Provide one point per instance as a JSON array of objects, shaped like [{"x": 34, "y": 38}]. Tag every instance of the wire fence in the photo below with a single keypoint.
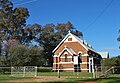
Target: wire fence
[
  {"x": 49, "y": 74},
  {"x": 30, "y": 71},
  {"x": 107, "y": 71},
  {"x": 44, "y": 71}
]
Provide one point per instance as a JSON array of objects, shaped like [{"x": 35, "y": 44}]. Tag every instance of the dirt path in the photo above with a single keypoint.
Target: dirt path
[
  {"x": 38, "y": 79},
  {"x": 43, "y": 79}
]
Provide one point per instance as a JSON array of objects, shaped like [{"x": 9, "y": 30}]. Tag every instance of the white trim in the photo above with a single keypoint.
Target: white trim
[
  {"x": 71, "y": 69},
  {"x": 66, "y": 62},
  {"x": 70, "y": 41},
  {"x": 62, "y": 41},
  {"x": 73, "y": 39},
  {"x": 85, "y": 55},
  {"x": 65, "y": 69},
  {"x": 55, "y": 56},
  {"x": 80, "y": 52},
  {"x": 56, "y": 63},
  {"x": 67, "y": 57},
  {"x": 92, "y": 65},
  {"x": 66, "y": 38},
  {"x": 84, "y": 69},
  {"x": 66, "y": 53},
  {"x": 70, "y": 62},
  {"x": 71, "y": 52}
]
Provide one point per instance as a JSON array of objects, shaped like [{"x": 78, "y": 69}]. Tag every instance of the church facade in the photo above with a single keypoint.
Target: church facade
[{"x": 75, "y": 54}]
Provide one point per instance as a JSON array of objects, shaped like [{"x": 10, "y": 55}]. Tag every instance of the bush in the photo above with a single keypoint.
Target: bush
[
  {"x": 44, "y": 69},
  {"x": 5, "y": 71}
]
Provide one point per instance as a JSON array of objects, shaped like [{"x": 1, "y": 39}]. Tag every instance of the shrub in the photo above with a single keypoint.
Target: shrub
[{"x": 44, "y": 69}]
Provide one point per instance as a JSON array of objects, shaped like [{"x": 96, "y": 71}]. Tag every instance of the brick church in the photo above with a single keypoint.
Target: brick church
[{"x": 75, "y": 54}]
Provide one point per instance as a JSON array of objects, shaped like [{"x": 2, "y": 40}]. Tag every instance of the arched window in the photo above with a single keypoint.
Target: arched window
[
  {"x": 80, "y": 57},
  {"x": 66, "y": 58}
]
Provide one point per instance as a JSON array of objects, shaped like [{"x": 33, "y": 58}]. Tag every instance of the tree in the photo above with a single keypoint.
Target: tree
[
  {"x": 118, "y": 39},
  {"x": 47, "y": 41},
  {"x": 12, "y": 20},
  {"x": 23, "y": 55},
  {"x": 51, "y": 35},
  {"x": 13, "y": 28},
  {"x": 30, "y": 33}
]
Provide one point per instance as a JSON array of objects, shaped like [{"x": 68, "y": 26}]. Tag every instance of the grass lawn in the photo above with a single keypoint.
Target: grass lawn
[
  {"x": 8, "y": 77},
  {"x": 82, "y": 74},
  {"x": 109, "y": 80},
  {"x": 113, "y": 78}
]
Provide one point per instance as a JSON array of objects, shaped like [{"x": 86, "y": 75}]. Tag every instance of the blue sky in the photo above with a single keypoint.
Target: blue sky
[{"x": 99, "y": 20}]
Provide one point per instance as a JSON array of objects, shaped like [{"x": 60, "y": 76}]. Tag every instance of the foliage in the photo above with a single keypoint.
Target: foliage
[
  {"x": 11, "y": 20},
  {"x": 51, "y": 35},
  {"x": 110, "y": 80},
  {"x": 44, "y": 69},
  {"x": 118, "y": 39},
  {"x": 24, "y": 55},
  {"x": 108, "y": 63},
  {"x": 114, "y": 61},
  {"x": 48, "y": 36},
  {"x": 14, "y": 31}
]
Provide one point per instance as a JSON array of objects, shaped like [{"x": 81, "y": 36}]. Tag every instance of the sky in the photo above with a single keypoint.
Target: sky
[{"x": 98, "y": 20}]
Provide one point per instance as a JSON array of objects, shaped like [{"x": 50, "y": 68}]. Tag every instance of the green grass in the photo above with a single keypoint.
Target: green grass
[
  {"x": 113, "y": 78},
  {"x": 82, "y": 74},
  {"x": 81, "y": 80},
  {"x": 75, "y": 80},
  {"x": 109, "y": 80},
  {"x": 8, "y": 77}
]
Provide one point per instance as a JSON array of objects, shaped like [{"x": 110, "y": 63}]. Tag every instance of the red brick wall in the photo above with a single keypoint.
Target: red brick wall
[
  {"x": 84, "y": 70},
  {"x": 67, "y": 65},
  {"x": 84, "y": 65},
  {"x": 75, "y": 46},
  {"x": 63, "y": 59},
  {"x": 85, "y": 59}
]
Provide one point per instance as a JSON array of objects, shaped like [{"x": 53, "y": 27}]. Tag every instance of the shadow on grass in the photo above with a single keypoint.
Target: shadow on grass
[
  {"x": 109, "y": 80},
  {"x": 82, "y": 80},
  {"x": 74, "y": 80}
]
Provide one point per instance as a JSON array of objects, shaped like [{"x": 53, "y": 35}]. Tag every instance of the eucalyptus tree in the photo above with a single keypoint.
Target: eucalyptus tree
[
  {"x": 51, "y": 35},
  {"x": 12, "y": 21}
]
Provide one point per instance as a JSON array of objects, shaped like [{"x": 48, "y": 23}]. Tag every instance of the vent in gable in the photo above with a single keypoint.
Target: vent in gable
[{"x": 69, "y": 39}]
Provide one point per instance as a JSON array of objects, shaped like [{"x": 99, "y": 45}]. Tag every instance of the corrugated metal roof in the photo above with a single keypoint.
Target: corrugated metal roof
[{"x": 104, "y": 54}]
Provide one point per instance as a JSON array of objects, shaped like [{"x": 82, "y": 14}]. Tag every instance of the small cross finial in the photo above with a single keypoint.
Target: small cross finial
[{"x": 69, "y": 31}]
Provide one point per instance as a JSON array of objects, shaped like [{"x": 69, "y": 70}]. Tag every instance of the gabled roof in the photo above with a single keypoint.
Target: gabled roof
[
  {"x": 104, "y": 54},
  {"x": 69, "y": 50},
  {"x": 82, "y": 42}
]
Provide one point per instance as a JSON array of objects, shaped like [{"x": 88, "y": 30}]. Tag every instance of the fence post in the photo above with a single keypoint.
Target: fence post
[
  {"x": 23, "y": 71},
  {"x": 11, "y": 71},
  {"x": 35, "y": 71},
  {"x": 96, "y": 71},
  {"x": 113, "y": 71},
  {"x": 94, "y": 75},
  {"x": 58, "y": 73}
]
